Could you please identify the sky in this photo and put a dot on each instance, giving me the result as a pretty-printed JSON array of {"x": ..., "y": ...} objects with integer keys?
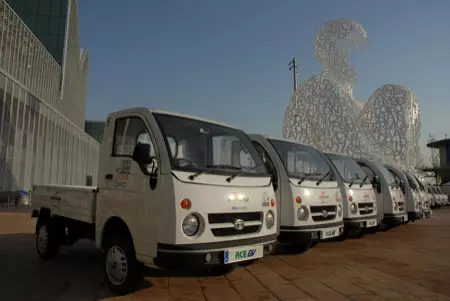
[{"x": 227, "y": 60}]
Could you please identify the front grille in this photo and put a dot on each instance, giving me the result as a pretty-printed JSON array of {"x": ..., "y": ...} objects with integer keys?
[
  {"x": 222, "y": 224},
  {"x": 232, "y": 231},
  {"x": 401, "y": 206},
  {"x": 323, "y": 213},
  {"x": 365, "y": 208}
]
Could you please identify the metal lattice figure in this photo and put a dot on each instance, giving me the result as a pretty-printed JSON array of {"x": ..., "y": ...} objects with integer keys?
[
  {"x": 322, "y": 112},
  {"x": 391, "y": 122}
]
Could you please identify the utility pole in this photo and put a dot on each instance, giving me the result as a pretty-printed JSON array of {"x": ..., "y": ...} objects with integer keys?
[{"x": 293, "y": 67}]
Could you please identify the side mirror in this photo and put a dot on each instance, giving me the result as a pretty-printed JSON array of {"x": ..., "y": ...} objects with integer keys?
[
  {"x": 376, "y": 183},
  {"x": 402, "y": 186},
  {"x": 141, "y": 154}
]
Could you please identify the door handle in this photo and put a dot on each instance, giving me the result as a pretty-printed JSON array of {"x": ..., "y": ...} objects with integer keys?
[{"x": 109, "y": 176}]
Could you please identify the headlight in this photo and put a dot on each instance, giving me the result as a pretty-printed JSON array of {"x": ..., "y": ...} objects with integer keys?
[
  {"x": 270, "y": 219},
  {"x": 190, "y": 225},
  {"x": 339, "y": 210},
  {"x": 302, "y": 213},
  {"x": 395, "y": 206},
  {"x": 353, "y": 208}
]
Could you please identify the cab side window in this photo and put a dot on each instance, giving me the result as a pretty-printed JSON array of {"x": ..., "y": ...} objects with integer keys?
[
  {"x": 368, "y": 171},
  {"x": 265, "y": 156},
  {"x": 129, "y": 131}
]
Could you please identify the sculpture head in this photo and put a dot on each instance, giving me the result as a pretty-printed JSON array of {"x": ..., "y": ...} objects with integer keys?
[{"x": 332, "y": 46}]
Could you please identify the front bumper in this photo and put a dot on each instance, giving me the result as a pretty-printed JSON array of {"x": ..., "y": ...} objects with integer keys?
[
  {"x": 395, "y": 219},
  {"x": 360, "y": 223},
  {"x": 298, "y": 234},
  {"x": 209, "y": 255},
  {"x": 415, "y": 215}
]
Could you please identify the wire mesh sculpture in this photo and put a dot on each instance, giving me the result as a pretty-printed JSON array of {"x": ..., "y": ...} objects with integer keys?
[
  {"x": 391, "y": 123},
  {"x": 323, "y": 112}
]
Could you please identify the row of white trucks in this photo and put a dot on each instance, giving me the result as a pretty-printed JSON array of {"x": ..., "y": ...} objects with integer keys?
[{"x": 180, "y": 192}]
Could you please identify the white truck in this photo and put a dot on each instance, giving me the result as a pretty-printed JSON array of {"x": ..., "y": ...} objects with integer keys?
[
  {"x": 424, "y": 196},
  {"x": 307, "y": 192},
  {"x": 174, "y": 192},
  {"x": 390, "y": 193},
  {"x": 414, "y": 205},
  {"x": 359, "y": 200}
]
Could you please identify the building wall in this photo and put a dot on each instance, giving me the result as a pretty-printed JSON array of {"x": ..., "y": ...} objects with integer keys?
[
  {"x": 47, "y": 20},
  {"x": 38, "y": 145}
]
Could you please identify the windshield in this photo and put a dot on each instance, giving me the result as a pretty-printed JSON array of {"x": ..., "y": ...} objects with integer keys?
[
  {"x": 300, "y": 160},
  {"x": 386, "y": 174},
  {"x": 418, "y": 182},
  {"x": 412, "y": 182},
  {"x": 196, "y": 145},
  {"x": 349, "y": 170}
]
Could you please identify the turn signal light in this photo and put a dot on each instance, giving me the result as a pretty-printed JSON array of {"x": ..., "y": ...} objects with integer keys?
[
  {"x": 272, "y": 203},
  {"x": 298, "y": 200},
  {"x": 350, "y": 198},
  {"x": 185, "y": 204}
]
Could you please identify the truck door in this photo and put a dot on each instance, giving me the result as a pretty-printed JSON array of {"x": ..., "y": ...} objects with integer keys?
[{"x": 125, "y": 188}]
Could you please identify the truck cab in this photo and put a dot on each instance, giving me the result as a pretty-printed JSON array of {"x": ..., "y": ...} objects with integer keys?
[
  {"x": 390, "y": 194},
  {"x": 424, "y": 196},
  {"x": 307, "y": 192},
  {"x": 174, "y": 192},
  {"x": 414, "y": 205},
  {"x": 358, "y": 196}
]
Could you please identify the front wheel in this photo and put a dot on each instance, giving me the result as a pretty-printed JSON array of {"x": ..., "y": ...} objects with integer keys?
[
  {"x": 121, "y": 266},
  {"x": 47, "y": 242},
  {"x": 300, "y": 248}
]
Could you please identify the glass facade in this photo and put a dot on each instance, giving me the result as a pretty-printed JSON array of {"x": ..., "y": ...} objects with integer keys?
[
  {"x": 39, "y": 144},
  {"x": 47, "y": 20},
  {"x": 95, "y": 129}
]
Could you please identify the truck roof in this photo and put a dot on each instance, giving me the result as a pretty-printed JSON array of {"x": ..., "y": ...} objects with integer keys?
[{"x": 157, "y": 111}]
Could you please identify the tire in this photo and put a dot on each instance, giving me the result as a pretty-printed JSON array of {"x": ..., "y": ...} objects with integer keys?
[
  {"x": 299, "y": 248},
  {"x": 47, "y": 239},
  {"x": 121, "y": 270}
]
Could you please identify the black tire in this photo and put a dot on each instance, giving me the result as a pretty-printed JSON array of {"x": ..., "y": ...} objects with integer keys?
[
  {"x": 220, "y": 270},
  {"x": 119, "y": 252},
  {"x": 47, "y": 239},
  {"x": 373, "y": 230},
  {"x": 299, "y": 248}
]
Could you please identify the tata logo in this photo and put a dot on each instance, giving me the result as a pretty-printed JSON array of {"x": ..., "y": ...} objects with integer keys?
[
  {"x": 324, "y": 213},
  {"x": 239, "y": 225},
  {"x": 366, "y": 208},
  {"x": 323, "y": 195}
]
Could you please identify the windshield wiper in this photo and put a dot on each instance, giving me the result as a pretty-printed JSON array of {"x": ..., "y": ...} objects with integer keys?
[
  {"x": 352, "y": 181},
  {"x": 323, "y": 178},
  {"x": 363, "y": 181},
  {"x": 234, "y": 176},
  {"x": 211, "y": 167},
  {"x": 307, "y": 175}
]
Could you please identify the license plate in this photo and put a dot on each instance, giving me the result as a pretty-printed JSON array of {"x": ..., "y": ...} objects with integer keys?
[
  {"x": 427, "y": 213},
  {"x": 242, "y": 254},
  {"x": 329, "y": 233},
  {"x": 405, "y": 217},
  {"x": 371, "y": 223}
]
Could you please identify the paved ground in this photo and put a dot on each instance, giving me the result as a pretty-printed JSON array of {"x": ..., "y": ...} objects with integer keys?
[{"x": 411, "y": 262}]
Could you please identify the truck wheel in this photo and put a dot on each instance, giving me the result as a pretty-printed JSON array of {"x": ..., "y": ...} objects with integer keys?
[
  {"x": 299, "y": 248},
  {"x": 121, "y": 267},
  {"x": 47, "y": 241}
]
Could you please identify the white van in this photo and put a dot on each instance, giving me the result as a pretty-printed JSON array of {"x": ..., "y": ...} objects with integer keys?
[
  {"x": 424, "y": 196},
  {"x": 306, "y": 190},
  {"x": 174, "y": 191},
  {"x": 359, "y": 200},
  {"x": 390, "y": 193}
]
